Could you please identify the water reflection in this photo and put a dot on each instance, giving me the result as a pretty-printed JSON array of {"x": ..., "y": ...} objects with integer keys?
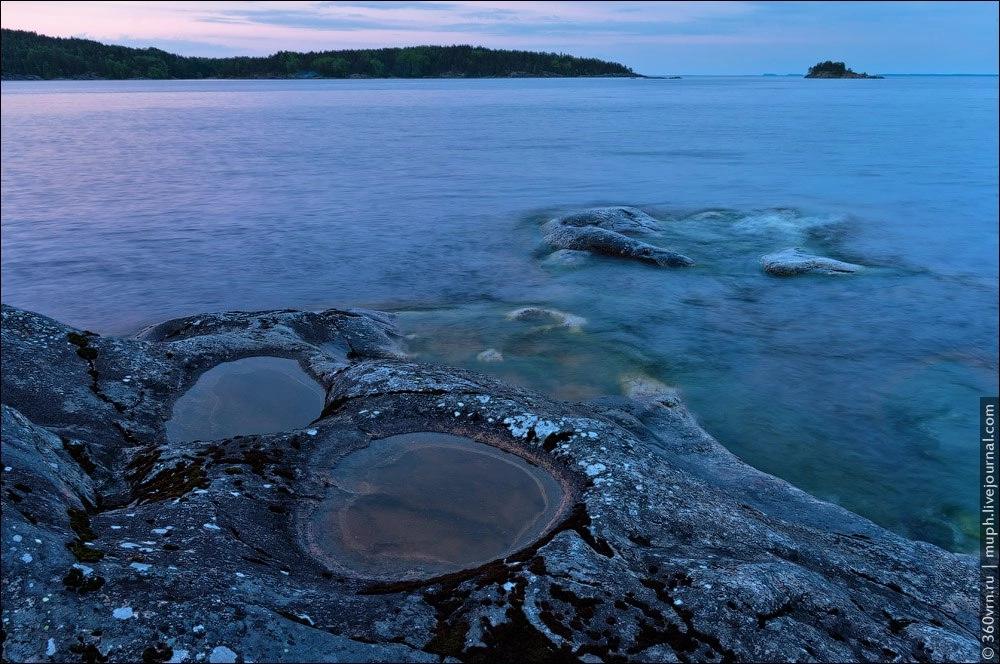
[
  {"x": 252, "y": 395},
  {"x": 421, "y": 504}
]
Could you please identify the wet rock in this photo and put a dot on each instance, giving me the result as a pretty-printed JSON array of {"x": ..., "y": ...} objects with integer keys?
[
  {"x": 490, "y": 355},
  {"x": 646, "y": 389},
  {"x": 620, "y": 219},
  {"x": 552, "y": 318},
  {"x": 791, "y": 262},
  {"x": 609, "y": 232},
  {"x": 668, "y": 547}
]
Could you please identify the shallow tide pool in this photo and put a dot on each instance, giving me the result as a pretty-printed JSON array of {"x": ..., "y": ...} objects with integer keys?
[
  {"x": 425, "y": 503},
  {"x": 248, "y": 396}
]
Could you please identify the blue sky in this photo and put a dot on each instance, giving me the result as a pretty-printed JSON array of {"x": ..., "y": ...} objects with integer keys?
[{"x": 651, "y": 37}]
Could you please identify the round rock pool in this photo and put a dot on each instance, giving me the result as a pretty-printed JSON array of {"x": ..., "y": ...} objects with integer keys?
[
  {"x": 423, "y": 504},
  {"x": 249, "y": 396}
]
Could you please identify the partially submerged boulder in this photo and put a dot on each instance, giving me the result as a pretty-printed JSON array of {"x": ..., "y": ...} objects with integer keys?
[
  {"x": 666, "y": 546},
  {"x": 620, "y": 219},
  {"x": 552, "y": 318},
  {"x": 791, "y": 262},
  {"x": 609, "y": 231},
  {"x": 648, "y": 390}
]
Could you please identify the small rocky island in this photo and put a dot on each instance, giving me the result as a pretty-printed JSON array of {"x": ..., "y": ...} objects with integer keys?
[
  {"x": 831, "y": 69},
  {"x": 628, "y": 534}
]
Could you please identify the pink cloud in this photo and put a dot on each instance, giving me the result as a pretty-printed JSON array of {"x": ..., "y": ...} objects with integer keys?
[{"x": 247, "y": 26}]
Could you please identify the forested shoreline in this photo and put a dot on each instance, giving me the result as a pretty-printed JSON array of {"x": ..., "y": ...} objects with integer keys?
[{"x": 28, "y": 55}]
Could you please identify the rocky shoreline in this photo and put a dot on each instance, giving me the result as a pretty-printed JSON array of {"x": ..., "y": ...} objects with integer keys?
[{"x": 121, "y": 546}]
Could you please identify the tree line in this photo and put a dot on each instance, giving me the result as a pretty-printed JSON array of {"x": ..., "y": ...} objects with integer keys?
[
  {"x": 829, "y": 67},
  {"x": 30, "y": 55}
]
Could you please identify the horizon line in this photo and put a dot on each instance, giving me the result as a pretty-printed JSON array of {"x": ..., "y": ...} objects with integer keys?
[{"x": 490, "y": 78}]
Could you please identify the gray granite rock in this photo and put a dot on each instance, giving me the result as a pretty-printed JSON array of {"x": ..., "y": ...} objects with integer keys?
[
  {"x": 791, "y": 262},
  {"x": 669, "y": 548},
  {"x": 610, "y": 232}
]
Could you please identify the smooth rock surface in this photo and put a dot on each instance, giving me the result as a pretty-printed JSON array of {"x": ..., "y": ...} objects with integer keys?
[
  {"x": 791, "y": 262},
  {"x": 671, "y": 549}
]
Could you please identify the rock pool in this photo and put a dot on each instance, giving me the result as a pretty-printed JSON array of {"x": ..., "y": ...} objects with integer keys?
[
  {"x": 252, "y": 395},
  {"x": 428, "y": 503}
]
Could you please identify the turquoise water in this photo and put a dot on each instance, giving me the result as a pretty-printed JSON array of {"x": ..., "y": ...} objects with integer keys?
[{"x": 125, "y": 203}]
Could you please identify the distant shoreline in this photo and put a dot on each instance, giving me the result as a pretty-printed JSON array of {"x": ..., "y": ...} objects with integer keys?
[
  {"x": 29, "y": 55},
  {"x": 38, "y": 79},
  {"x": 27, "y": 79}
]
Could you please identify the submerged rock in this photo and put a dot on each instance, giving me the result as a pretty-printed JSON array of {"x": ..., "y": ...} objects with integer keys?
[
  {"x": 553, "y": 317},
  {"x": 567, "y": 258},
  {"x": 609, "y": 231},
  {"x": 791, "y": 262},
  {"x": 666, "y": 547},
  {"x": 646, "y": 389},
  {"x": 490, "y": 355}
]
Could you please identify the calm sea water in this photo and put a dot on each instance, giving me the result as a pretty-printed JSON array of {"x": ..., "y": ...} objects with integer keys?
[{"x": 126, "y": 203}]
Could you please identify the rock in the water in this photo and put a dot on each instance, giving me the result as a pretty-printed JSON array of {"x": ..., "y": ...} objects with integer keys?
[
  {"x": 490, "y": 355},
  {"x": 646, "y": 389},
  {"x": 552, "y": 317},
  {"x": 609, "y": 231},
  {"x": 620, "y": 219},
  {"x": 791, "y": 262},
  {"x": 567, "y": 258},
  {"x": 666, "y": 548}
]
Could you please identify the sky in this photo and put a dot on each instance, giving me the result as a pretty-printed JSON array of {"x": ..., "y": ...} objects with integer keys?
[{"x": 651, "y": 37}]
